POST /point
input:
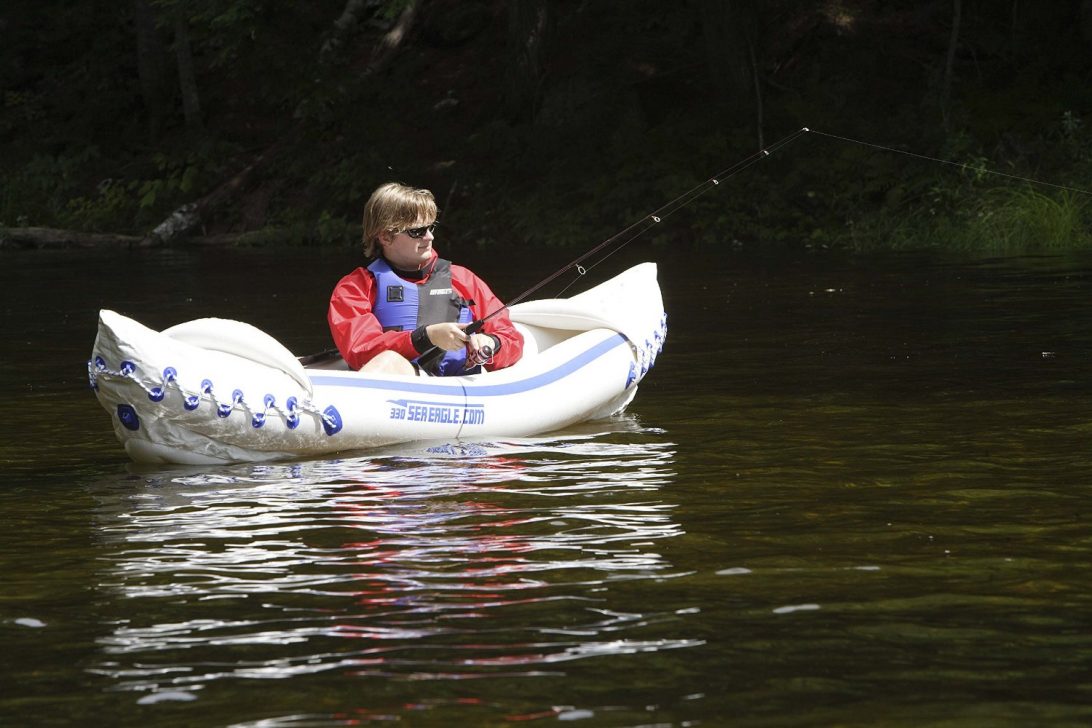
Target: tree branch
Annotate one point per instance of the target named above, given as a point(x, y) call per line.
point(349, 19)
point(392, 41)
point(186, 219)
point(39, 237)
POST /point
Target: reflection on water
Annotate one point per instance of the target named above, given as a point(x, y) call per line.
point(410, 565)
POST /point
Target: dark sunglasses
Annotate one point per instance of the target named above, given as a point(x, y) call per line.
point(419, 232)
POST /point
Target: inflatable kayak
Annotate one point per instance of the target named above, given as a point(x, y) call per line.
point(220, 391)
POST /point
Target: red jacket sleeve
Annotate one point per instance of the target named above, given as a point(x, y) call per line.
point(485, 303)
point(356, 331)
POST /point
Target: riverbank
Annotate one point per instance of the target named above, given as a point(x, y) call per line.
point(627, 114)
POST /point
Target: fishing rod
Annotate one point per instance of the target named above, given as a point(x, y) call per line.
point(627, 235)
point(633, 231)
point(641, 226)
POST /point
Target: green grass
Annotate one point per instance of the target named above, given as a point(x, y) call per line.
point(1018, 220)
point(1001, 220)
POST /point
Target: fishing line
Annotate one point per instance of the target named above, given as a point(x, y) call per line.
point(638, 228)
point(961, 165)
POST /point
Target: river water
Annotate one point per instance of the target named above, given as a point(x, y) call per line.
point(852, 492)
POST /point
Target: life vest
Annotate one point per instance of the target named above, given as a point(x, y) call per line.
point(402, 305)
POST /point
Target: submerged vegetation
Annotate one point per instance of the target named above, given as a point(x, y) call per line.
point(552, 123)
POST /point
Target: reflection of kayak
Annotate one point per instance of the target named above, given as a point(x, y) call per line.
point(215, 390)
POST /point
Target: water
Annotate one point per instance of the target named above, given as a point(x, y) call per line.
point(851, 493)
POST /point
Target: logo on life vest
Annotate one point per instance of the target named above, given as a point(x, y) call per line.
point(395, 294)
point(436, 412)
point(439, 292)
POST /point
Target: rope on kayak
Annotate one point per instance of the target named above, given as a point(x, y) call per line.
point(647, 353)
point(191, 400)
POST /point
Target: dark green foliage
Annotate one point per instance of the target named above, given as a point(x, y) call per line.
point(626, 114)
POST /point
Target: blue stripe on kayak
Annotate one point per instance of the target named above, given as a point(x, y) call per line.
point(456, 389)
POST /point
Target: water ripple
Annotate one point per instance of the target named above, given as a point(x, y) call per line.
point(411, 564)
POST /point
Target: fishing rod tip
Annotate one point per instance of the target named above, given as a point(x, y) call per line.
point(805, 129)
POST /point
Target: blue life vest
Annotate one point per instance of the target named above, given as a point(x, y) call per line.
point(402, 305)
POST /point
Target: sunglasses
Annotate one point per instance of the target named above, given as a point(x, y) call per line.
point(419, 232)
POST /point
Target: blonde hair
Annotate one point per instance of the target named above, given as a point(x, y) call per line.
point(394, 206)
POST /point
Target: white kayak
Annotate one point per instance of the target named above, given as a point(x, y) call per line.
point(220, 391)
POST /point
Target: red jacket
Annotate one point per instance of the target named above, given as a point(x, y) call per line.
point(359, 336)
